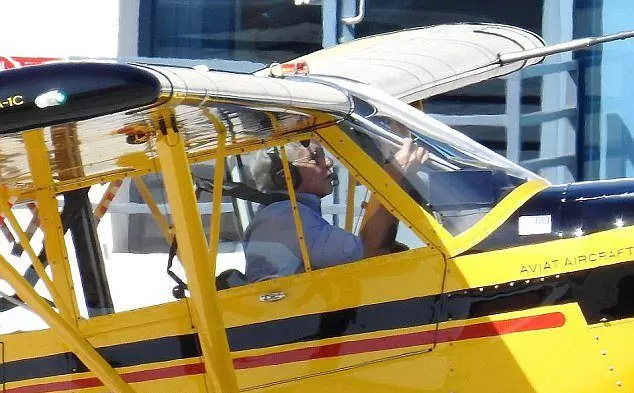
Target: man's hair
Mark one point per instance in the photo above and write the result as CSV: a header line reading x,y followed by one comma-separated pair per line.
x,y
261,164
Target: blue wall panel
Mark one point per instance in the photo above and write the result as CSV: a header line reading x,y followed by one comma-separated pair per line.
x,y
617,93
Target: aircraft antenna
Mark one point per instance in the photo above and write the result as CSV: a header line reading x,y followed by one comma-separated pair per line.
x,y
563,47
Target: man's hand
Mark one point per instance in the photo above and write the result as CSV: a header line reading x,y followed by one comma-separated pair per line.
x,y
409,158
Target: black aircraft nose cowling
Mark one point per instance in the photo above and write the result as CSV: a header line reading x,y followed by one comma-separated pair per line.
x,y
87,89
576,209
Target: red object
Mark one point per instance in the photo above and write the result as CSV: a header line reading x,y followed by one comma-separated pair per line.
x,y
302,67
8,62
289,68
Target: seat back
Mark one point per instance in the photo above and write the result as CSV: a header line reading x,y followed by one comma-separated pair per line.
x,y
230,278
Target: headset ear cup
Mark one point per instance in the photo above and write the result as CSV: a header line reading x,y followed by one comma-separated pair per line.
x,y
277,171
280,181
296,175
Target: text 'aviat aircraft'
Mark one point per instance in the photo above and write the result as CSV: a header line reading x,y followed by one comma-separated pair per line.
x,y
436,266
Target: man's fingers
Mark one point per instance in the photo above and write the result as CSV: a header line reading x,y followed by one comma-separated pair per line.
x,y
410,156
407,145
418,154
425,156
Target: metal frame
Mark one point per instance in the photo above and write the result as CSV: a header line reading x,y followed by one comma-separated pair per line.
x,y
45,198
194,255
155,210
295,209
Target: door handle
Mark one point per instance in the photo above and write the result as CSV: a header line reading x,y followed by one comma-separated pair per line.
x,y
353,20
272,297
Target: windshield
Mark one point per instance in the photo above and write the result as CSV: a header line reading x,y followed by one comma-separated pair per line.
x,y
460,182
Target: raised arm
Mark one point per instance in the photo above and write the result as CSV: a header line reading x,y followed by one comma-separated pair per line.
x,y
380,226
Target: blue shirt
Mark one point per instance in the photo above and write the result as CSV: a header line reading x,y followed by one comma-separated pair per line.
x,y
271,246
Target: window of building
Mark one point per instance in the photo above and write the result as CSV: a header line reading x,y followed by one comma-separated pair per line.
x,y
389,15
265,32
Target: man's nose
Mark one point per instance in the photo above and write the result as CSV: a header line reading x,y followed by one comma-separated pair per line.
x,y
328,162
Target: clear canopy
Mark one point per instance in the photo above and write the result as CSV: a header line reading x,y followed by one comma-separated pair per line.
x,y
461,181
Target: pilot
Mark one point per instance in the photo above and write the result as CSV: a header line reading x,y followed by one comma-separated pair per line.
x,y
271,244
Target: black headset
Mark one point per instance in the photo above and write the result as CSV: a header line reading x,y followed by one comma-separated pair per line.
x,y
276,170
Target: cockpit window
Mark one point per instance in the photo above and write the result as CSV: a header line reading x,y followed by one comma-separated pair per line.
x,y
460,182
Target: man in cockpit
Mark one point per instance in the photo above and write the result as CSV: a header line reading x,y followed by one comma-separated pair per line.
x,y
271,244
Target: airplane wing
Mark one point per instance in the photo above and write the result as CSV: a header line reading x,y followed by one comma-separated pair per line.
x,y
418,63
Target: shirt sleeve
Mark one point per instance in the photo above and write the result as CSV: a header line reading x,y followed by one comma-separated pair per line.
x,y
329,245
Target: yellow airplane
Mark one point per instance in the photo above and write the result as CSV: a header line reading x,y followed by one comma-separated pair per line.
x,y
493,280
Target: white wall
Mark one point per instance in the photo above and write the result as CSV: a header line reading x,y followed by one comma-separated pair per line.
x,y
62,27
129,27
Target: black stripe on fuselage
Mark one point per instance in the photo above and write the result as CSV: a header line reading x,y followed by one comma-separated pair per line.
x,y
364,319
602,292
122,355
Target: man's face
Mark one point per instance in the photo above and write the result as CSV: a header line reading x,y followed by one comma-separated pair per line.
x,y
316,170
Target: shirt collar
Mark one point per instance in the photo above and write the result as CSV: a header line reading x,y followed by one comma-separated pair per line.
x,y
310,200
